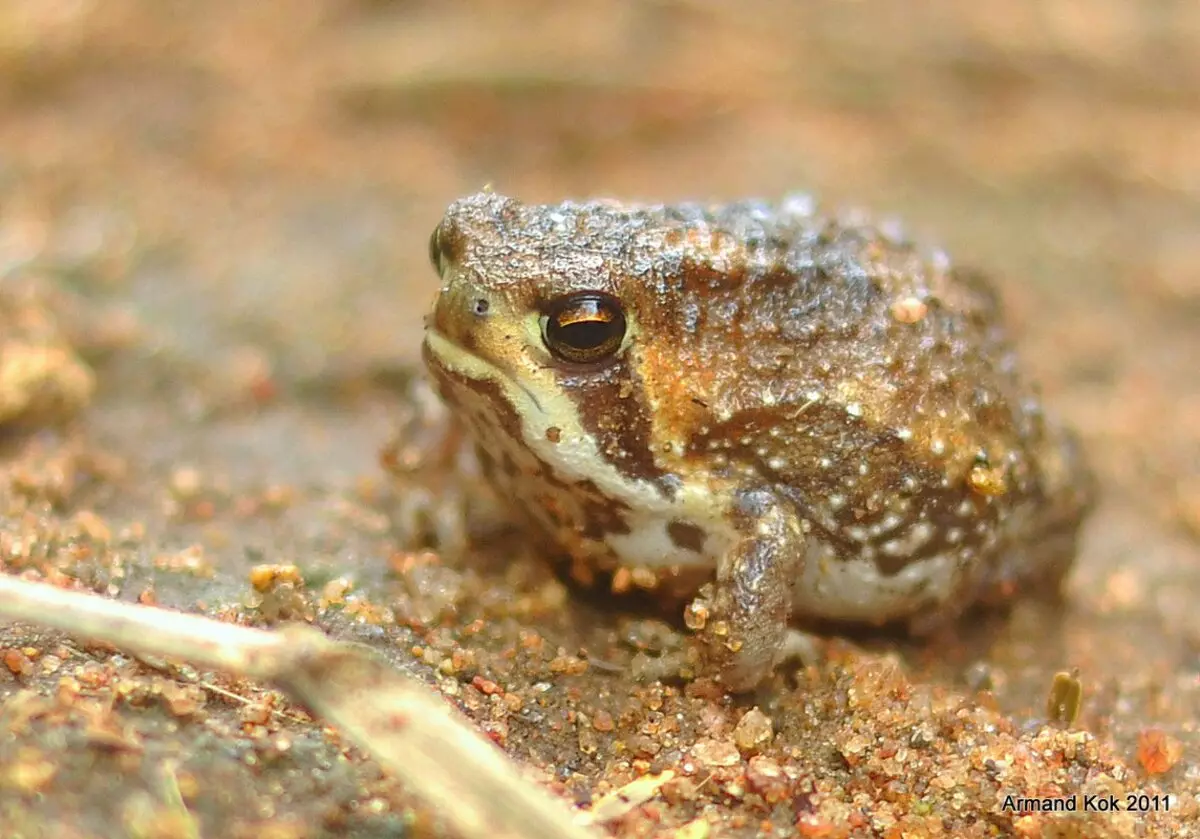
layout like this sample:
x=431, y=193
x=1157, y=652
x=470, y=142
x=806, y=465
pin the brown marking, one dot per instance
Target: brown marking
x=509, y=465
x=613, y=410
x=889, y=566
x=487, y=463
x=686, y=535
x=491, y=392
x=603, y=516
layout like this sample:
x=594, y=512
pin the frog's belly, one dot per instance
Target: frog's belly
x=671, y=537
x=592, y=515
x=608, y=532
x=833, y=588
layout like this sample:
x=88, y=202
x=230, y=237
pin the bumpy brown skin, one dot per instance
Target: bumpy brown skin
x=831, y=418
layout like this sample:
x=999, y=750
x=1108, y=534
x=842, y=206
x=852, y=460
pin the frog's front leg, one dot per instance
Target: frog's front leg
x=742, y=616
x=441, y=499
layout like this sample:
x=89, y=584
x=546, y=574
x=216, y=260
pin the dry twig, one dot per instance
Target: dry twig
x=410, y=730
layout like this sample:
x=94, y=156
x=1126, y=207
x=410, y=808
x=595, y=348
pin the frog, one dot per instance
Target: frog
x=774, y=413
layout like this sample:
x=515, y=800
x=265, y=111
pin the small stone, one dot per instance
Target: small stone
x=18, y=663
x=30, y=772
x=716, y=752
x=643, y=746
x=186, y=483
x=588, y=744
x=909, y=309
x=1158, y=751
x=255, y=713
x=766, y=777
x=42, y=384
x=753, y=731
x=922, y=736
x=695, y=616
x=697, y=829
x=854, y=747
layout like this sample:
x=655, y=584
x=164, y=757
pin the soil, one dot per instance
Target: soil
x=213, y=227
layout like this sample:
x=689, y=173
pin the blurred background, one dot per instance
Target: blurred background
x=238, y=197
x=257, y=181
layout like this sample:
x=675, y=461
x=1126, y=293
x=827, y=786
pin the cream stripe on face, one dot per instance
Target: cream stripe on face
x=576, y=457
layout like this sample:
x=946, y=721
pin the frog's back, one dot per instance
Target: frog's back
x=874, y=385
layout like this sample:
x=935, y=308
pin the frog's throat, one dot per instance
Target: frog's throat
x=570, y=450
x=468, y=365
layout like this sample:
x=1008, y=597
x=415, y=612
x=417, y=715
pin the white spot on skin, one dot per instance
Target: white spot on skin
x=910, y=542
x=854, y=409
x=889, y=522
x=937, y=445
x=858, y=534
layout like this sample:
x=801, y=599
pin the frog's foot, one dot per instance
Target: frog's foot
x=442, y=500
x=802, y=649
x=742, y=617
x=427, y=437
x=672, y=666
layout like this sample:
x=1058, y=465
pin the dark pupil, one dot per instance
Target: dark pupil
x=586, y=334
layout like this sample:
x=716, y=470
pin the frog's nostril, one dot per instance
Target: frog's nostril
x=480, y=307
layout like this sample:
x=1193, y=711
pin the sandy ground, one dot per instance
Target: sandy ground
x=213, y=225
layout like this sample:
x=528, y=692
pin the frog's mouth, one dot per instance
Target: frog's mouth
x=467, y=367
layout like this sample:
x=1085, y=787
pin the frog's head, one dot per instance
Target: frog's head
x=565, y=341
x=541, y=328
x=532, y=291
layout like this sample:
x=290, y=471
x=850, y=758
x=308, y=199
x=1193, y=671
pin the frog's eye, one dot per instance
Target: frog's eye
x=585, y=327
x=436, y=255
